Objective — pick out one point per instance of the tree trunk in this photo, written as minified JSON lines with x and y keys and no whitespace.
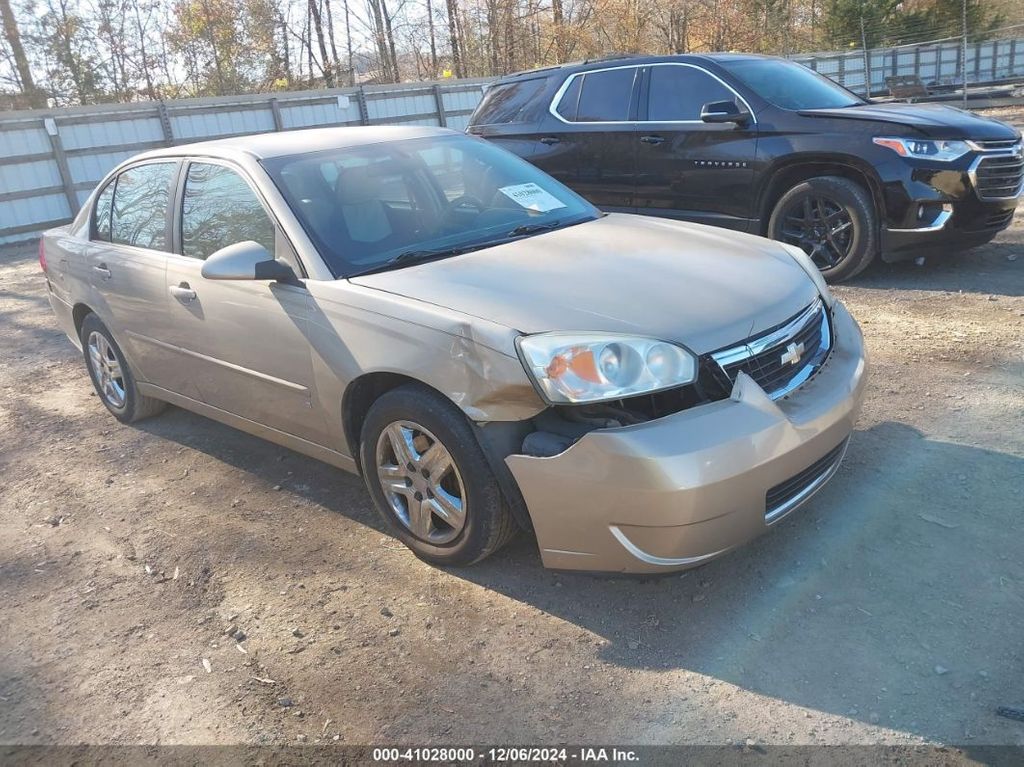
{"x":348,"y":44}
{"x":433,"y":41}
{"x":559,"y":19}
{"x":325,"y":63}
{"x":330,"y":36}
{"x":390,"y":36}
{"x":33,"y":96}
{"x":453,"y":37}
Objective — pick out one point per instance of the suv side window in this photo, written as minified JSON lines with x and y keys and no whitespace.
{"x":139,"y":214}
{"x":678,"y":92}
{"x":102,"y":211}
{"x":218,"y":209}
{"x":604,"y":96}
{"x":507,"y":103}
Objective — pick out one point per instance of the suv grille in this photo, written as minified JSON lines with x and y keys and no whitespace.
{"x":782,"y":358}
{"x":999,"y":176}
{"x":993,"y":144}
{"x":786,"y":496}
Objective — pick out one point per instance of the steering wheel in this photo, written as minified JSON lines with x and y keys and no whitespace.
{"x":466,"y":201}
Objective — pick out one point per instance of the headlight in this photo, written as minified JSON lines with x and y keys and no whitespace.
{"x":591,"y":367}
{"x":812,"y":271}
{"x":925,"y":149}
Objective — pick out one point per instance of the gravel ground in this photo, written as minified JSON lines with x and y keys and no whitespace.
{"x":888,"y":610}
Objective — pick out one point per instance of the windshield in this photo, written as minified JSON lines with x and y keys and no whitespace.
{"x":790,"y":85}
{"x":387,"y":204}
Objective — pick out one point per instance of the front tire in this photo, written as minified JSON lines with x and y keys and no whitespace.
{"x":832,"y":219}
{"x":111,"y":375}
{"x":430,"y":480}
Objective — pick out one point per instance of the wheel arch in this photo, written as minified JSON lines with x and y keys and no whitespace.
{"x":79,"y":312}
{"x":794,"y":171}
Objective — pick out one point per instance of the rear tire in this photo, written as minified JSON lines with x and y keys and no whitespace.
{"x":112,"y":377}
{"x":430,"y":480}
{"x":833,"y":220}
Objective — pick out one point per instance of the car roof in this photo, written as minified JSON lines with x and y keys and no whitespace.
{"x":266,"y":145}
{"x":629,"y":60}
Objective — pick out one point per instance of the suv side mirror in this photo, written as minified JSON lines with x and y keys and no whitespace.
{"x":724,"y":112}
{"x":246,"y":261}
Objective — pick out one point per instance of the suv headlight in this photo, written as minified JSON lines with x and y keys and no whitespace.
{"x":925,"y":149}
{"x":812,"y":271}
{"x":593,"y":367}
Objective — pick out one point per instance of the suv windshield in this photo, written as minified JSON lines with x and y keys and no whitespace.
{"x":790,"y":85}
{"x":389,"y":204}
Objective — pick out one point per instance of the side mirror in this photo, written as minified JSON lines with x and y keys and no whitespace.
{"x":724,"y":112}
{"x":246,"y":261}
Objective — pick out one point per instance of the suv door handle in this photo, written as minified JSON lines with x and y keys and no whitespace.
{"x":549,"y":140}
{"x":652,"y":139}
{"x":183,"y":293}
{"x":102,"y":270}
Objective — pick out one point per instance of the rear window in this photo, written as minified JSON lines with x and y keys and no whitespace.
{"x":508,"y":103}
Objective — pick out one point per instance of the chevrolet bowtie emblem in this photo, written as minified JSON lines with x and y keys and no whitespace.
{"x":793,"y":354}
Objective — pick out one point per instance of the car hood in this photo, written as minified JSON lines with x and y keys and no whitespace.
{"x":697,"y":285}
{"x":933,"y":120}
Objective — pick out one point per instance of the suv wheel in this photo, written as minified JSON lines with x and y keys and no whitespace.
{"x":111,"y":375}
{"x":832,"y":220}
{"x":430,"y":480}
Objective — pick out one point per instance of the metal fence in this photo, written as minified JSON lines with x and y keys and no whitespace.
{"x":939,"y":64}
{"x":50,"y":160}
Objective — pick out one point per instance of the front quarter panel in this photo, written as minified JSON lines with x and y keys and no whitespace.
{"x":356,"y":331}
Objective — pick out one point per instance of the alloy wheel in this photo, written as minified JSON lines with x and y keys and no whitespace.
{"x":421,"y":482}
{"x":107,"y":368}
{"x":821,"y":227}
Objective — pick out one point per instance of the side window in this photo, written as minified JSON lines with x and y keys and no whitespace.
{"x":570,"y":99}
{"x":605,"y":96}
{"x":507,"y":103}
{"x":101,"y":213}
{"x":678,"y":93}
{"x":219,"y":209}
{"x":140,"y":206}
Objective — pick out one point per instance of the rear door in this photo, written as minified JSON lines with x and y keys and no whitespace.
{"x":126,"y":262}
{"x":242,"y":344}
{"x":588,"y":138}
{"x":686,"y":168}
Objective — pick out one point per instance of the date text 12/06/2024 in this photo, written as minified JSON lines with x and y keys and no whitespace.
{"x":506,"y":754}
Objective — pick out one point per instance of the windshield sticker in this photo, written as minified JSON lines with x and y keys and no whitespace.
{"x":532,"y":197}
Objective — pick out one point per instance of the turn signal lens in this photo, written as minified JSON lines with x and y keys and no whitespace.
{"x":589,"y":367}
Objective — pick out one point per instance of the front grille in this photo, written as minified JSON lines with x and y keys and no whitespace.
{"x":783,"y":357}
{"x":786,"y":496}
{"x":999,"y":176}
{"x":994,"y":144}
{"x":1002,"y":218}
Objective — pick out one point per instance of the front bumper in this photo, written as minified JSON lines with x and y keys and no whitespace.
{"x":929,"y":208}
{"x":678,"y":491}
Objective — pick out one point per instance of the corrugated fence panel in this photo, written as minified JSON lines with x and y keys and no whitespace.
{"x":92,"y":167}
{"x":23,"y":176}
{"x":299,"y":115}
{"x":20,"y":141}
{"x":34,"y":210}
{"x":197,"y":125}
{"x":400,"y":105}
{"x":461,"y":100}
{"x":110,"y":133}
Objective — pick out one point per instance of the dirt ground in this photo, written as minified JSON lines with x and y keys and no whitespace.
{"x":888,"y":610}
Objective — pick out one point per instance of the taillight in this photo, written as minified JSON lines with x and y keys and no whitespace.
{"x":42,"y":255}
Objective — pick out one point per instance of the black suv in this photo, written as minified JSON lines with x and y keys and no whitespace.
{"x":763,"y":145}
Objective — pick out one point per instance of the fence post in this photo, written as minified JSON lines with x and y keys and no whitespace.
{"x":165,"y":122}
{"x":1013,"y":57}
{"x":61,"y":158}
{"x":442,"y":119}
{"x":364,"y":113}
{"x":995,"y":57}
{"x":275,"y":111}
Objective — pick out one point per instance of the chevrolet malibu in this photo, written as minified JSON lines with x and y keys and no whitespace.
{"x":488,"y":350}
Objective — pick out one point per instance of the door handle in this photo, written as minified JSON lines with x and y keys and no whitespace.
{"x":549,"y":140}
{"x":183,"y":293}
{"x":102,"y":270}
{"x":652,"y":139}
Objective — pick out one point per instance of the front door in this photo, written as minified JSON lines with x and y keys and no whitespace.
{"x":243,"y":344}
{"x":686,"y":168}
{"x":588,"y":139}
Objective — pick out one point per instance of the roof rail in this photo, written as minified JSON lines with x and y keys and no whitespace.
{"x":614,"y":56}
